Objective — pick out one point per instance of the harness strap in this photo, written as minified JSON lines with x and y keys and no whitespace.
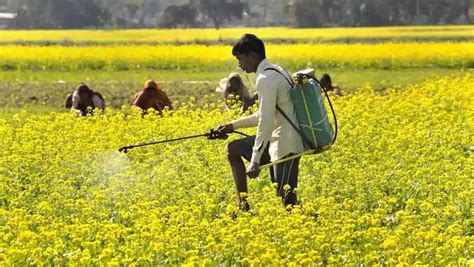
{"x":290,"y":81}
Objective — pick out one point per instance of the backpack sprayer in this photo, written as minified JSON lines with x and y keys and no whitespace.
{"x":313,"y":126}
{"x":211,"y":135}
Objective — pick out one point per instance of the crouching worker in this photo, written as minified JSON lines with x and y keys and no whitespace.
{"x":84,"y":100}
{"x":235,"y":90}
{"x":276,"y":139}
{"x":326,"y":82}
{"x":152,"y":97}
{"x":69,"y":100}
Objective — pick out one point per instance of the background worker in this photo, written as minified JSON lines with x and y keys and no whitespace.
{"x":235,"y":90}
{"x":84,"y":100}
{"x":152,"y":97}
{"x":326,"y":82}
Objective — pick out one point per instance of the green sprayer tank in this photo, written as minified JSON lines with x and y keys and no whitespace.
{"x":311,"y":112}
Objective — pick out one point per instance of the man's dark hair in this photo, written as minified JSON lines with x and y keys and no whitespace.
{"x":83,"y":89}
{"x":325,"y":80}
{"x":249,"y":43}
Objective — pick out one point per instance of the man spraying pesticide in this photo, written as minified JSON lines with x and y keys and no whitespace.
{"x":279,"y":142}
{"x":291,"y":121}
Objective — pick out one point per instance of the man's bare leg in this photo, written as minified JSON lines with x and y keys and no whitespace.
{"x":238,"y":171}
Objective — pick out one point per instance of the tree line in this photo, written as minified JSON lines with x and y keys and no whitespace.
{"x":76,"y":14}
{"x":324,"y":13}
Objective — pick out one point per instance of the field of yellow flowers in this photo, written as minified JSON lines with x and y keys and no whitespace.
{"x":218,"y":57}
{"x":212,"y":36}
{"x":397,"y":188}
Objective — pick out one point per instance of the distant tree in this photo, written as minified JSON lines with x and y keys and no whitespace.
{"x":305,"y":14}
{"x":132,"y":9}
{"x":59,"y":14}
{"x":219,"y":11}
{"x":178,"y":16}
{"x":301,"y":13}
{"x":456,"y":10}
{"x":321,"y":13}
{"x":78,"y":14}
{"x":373,"y":13}
{"x":466,"y":7}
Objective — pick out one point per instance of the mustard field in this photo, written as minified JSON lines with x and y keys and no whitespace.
{"x":228,"y":35}
{"x":218,"y":57}
{"x":396,"y":189}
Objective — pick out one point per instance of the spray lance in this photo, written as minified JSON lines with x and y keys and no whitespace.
{"x":313,"y":123}
{"x":211,"y":135}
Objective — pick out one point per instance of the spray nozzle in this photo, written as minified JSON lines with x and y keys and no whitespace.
{"x":124,"y":149}
{"x":214,"y":134}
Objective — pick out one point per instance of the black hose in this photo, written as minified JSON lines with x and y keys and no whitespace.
{"x":330,"y":104}
{"x":241,"y":133}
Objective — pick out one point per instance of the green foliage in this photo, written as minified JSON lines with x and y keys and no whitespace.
{"x":62,"y":14}
{"x":219,"y":11}
{"x":324,"y":13}
{"x":55,"y":14}
{"x":178,"y":16}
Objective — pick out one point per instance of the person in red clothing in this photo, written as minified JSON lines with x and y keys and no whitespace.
{"x":152,"y":97}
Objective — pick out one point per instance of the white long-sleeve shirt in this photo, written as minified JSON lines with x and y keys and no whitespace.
{"x":272,"y":127}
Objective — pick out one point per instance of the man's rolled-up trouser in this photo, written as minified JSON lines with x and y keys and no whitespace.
{"x":283,"y":173}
